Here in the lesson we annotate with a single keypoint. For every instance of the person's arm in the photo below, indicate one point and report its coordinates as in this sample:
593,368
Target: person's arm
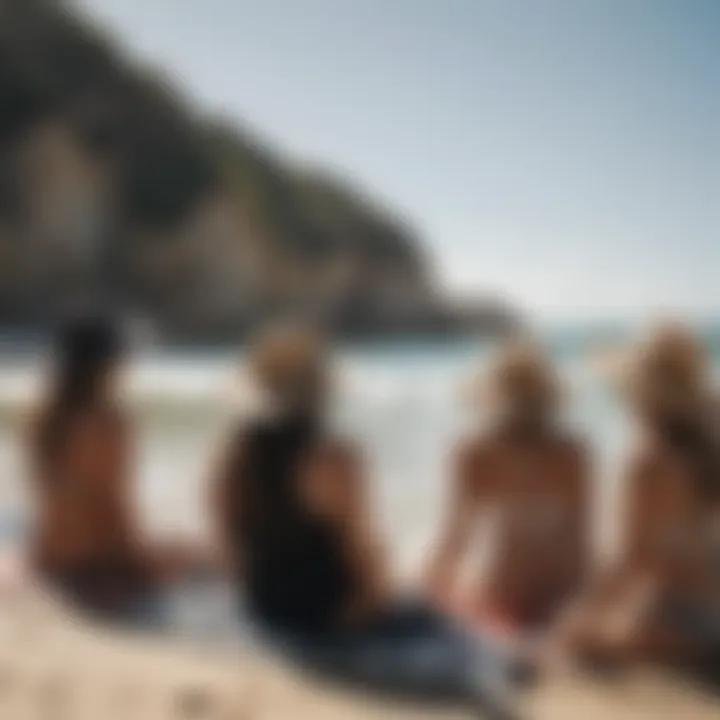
224,502
635,580
108,438
638,555
459,523
335,488
615,595
122,462
366,553
582,558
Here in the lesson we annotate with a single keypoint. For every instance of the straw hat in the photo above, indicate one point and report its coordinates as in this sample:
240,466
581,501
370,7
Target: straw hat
287,368
668,374
521,384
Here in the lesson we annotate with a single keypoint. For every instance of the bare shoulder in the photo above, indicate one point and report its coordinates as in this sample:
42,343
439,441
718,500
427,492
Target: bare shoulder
89,427
334,478
101,423
474,463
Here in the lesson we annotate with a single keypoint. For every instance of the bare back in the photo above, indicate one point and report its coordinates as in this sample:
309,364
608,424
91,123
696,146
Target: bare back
82,489
537,492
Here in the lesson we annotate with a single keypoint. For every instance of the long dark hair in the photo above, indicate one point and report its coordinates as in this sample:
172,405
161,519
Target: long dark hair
86,349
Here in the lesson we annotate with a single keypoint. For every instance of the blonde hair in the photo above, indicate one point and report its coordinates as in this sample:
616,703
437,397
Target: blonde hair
523,388
290,364
668,376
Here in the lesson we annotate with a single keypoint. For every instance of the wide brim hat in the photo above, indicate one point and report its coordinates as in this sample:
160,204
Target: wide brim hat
668,373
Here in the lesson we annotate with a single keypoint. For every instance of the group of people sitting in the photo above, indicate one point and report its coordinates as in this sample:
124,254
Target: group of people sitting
294,527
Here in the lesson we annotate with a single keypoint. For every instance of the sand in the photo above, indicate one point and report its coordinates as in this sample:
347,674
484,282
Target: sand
55,666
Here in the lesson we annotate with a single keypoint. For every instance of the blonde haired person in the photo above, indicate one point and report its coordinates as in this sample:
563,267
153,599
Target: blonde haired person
535,477
662,599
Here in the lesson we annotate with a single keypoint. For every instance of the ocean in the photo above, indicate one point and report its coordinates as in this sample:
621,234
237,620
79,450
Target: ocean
403,404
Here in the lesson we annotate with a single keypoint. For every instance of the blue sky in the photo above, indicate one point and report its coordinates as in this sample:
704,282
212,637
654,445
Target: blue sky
565,153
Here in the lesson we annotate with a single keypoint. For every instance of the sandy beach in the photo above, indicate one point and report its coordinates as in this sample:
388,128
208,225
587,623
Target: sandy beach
53,665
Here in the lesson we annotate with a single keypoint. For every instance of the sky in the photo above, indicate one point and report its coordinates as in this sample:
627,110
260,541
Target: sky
562,153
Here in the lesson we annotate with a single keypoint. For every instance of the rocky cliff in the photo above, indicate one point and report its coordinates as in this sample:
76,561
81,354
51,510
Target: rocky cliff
111,182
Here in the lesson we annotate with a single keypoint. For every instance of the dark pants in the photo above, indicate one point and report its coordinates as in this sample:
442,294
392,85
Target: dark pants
409,650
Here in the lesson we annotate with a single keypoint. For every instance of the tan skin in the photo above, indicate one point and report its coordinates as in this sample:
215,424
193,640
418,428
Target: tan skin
83,492
540,490
334,487
666,555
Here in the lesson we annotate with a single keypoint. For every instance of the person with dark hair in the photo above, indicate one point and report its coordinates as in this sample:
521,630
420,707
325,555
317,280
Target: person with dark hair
661,600
86,542
294,518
